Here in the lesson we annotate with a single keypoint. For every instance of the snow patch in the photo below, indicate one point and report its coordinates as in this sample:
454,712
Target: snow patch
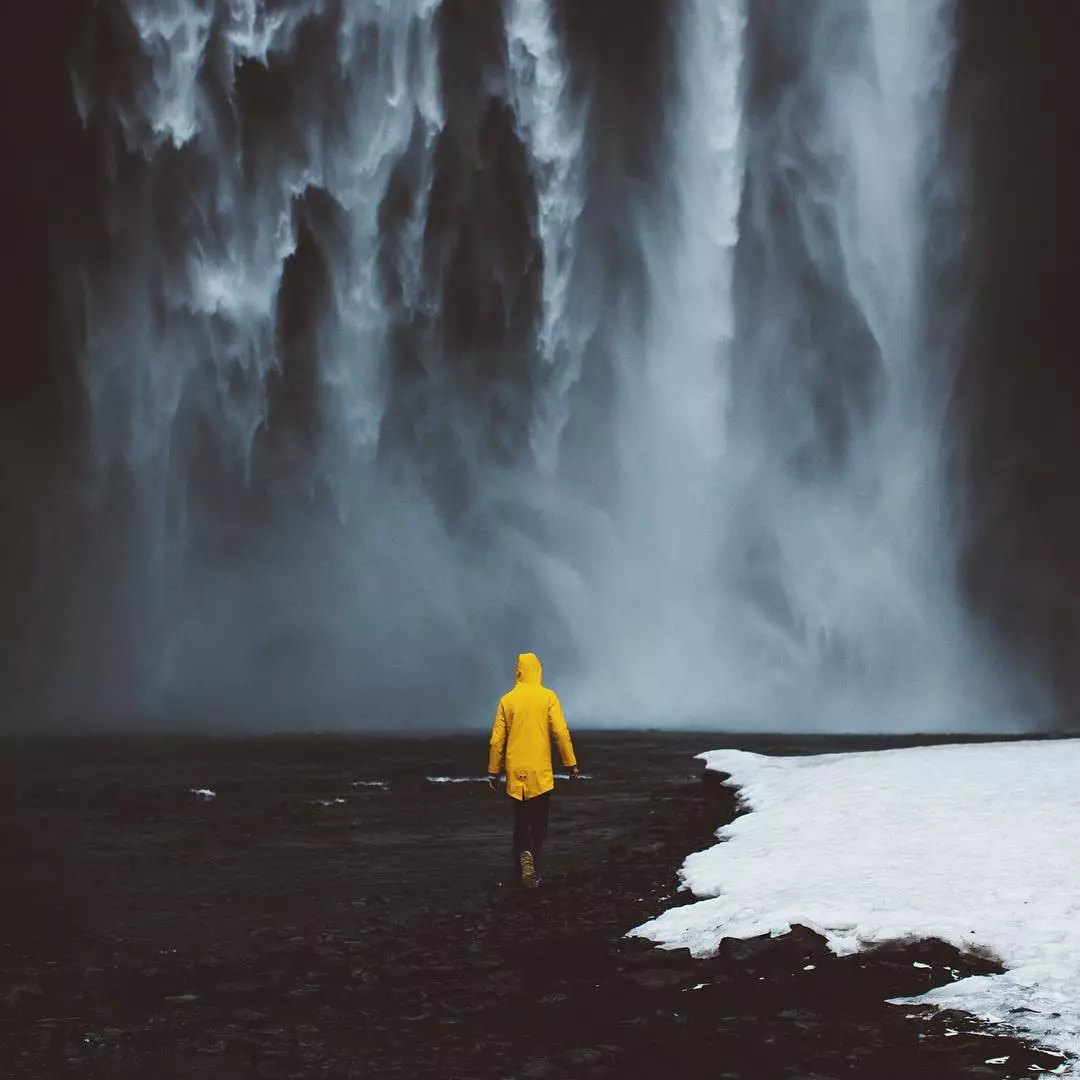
968,844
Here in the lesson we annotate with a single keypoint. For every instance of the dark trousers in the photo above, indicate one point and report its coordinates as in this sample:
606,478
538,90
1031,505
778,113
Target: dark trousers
530,824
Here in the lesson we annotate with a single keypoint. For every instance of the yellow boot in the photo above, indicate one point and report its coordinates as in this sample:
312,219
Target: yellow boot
528,870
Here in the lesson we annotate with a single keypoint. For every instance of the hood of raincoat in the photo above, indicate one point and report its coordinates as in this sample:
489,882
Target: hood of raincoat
528,668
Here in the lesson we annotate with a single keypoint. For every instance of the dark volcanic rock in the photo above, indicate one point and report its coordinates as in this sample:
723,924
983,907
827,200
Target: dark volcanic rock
658,978
260,936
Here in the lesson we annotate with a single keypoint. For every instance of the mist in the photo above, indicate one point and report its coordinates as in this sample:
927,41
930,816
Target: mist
412,336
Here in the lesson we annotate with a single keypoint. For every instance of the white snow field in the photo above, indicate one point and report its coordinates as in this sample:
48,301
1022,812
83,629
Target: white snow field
976,845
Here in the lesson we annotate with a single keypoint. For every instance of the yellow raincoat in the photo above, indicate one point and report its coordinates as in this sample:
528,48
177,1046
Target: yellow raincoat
526,719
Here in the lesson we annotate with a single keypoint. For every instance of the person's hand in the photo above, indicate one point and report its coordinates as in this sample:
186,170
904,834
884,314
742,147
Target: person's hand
493,781
575,773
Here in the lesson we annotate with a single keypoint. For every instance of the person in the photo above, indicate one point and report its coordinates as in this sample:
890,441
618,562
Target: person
525,722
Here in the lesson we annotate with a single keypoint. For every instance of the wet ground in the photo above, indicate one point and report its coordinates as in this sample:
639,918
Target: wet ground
300,923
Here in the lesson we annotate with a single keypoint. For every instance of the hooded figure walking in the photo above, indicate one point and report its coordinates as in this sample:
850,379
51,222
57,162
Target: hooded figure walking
525,722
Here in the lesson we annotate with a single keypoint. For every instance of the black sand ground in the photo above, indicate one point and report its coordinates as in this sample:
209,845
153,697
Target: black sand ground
275,931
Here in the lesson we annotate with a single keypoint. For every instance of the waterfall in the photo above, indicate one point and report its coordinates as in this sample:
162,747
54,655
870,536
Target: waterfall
203,212
843,522
257,144
373,306
553,134
660,621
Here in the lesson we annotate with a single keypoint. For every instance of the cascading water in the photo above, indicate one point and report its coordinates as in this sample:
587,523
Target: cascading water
203,210
405,383
553,134
662,619
841,377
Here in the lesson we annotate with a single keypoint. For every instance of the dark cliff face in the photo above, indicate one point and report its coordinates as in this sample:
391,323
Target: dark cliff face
1017,401
49,195
1015,405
